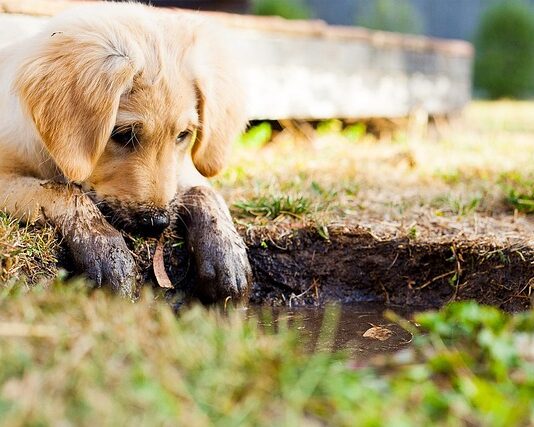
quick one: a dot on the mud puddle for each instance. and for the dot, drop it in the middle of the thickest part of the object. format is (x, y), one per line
(361, 330)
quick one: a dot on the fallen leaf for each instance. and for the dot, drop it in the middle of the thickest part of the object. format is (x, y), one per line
(158, 264)
(378, 333)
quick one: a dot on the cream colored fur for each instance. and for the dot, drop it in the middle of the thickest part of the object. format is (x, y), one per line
(93, 68)
(112, 68)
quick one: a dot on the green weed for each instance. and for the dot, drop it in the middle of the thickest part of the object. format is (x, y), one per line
(326, 127)
(353, 132)
(523, 202)
(519, 191)
(257, 136)
(273, 207)
(459, 206)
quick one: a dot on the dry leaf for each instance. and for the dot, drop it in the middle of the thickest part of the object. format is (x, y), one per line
(378, 333)
(158, 264)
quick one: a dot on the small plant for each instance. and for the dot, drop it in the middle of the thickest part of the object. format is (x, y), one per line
(465, 207)
(353, 132)
(523, 202)
(457, 205)
(273, 207)
(289, 9)
(322, 230)
(324, 193)
(257, 136)
(519, 190)
(504, 65)
(327, 127)
(452, 177)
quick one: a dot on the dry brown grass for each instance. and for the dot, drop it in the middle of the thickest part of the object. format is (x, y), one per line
(26, 252)
(450, 179)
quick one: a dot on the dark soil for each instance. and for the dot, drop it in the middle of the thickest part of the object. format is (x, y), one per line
(303, 268)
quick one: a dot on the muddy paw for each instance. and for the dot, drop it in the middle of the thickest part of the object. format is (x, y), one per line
(104, 259)
(220, 255)
(222, 264)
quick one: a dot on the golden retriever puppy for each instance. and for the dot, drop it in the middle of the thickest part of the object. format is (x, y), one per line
(110, 116)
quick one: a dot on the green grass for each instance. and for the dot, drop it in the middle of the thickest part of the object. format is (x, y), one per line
(523, 202)
(460, 206)
(519, 190)
(272, 207)
(393, 171)
(257, 136)
(352, 132)
(68, 359)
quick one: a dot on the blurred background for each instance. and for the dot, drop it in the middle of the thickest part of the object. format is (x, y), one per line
(449, 19)
(378, 128)
(501, 30)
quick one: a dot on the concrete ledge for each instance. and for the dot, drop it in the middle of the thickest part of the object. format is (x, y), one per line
(309, 70)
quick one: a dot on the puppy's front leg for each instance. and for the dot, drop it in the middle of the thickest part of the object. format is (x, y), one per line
(218, 250)
(97, 249)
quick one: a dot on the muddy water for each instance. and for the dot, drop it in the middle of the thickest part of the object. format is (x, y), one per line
(360, 330)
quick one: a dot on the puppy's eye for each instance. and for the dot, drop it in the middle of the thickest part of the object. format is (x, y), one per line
(126, 137)
(183, 136)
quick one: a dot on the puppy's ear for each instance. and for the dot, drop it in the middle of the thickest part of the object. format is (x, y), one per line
(220, 96)
(71, 85)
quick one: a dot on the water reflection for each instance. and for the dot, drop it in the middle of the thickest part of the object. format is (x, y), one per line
(362, 330)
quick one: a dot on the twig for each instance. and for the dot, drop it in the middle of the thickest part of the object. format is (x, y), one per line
(394, 261)
(441, 276)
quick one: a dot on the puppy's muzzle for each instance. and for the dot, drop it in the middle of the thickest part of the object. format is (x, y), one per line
(151, 223)
(145, 220)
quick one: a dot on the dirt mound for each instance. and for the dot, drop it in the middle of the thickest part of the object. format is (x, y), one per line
(305, 267)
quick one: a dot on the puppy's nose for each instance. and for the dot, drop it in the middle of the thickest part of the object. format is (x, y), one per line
(154, 223)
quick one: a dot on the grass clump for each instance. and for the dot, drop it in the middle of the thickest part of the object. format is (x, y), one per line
(26, 251)
(257, 136)
(523, 202)
(482, 358)
(456, 205)
(519, 191)
(353, 132)
(273, 207)
(70, 360)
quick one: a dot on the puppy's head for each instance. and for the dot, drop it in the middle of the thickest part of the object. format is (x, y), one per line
(133, 105)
